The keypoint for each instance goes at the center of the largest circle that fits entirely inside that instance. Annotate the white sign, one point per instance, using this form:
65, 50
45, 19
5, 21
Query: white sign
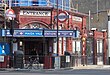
67, 58
76, 18
57, 63
35, 13
1, 58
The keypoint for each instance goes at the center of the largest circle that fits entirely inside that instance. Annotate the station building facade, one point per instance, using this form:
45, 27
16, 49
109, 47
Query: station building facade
35, 27
33, 24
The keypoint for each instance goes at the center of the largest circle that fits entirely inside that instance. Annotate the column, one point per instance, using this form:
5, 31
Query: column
94, 47
104, 46
109, 37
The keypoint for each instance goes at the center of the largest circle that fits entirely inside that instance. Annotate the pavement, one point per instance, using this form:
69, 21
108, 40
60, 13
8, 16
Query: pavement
92, 67
76, 67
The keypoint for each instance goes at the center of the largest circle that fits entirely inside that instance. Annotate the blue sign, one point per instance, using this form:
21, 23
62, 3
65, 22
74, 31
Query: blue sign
4, 49
39, 33
50, 33
61, 33
62, 17
25, 33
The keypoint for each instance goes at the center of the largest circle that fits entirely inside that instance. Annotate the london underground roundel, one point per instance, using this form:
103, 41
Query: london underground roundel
62, 16
10, 13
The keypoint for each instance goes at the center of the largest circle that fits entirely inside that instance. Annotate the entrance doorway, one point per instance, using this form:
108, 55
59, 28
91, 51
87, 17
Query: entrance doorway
35, 47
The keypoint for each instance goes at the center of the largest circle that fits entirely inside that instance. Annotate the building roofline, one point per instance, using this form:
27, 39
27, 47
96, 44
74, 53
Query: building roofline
50, 8
35, 7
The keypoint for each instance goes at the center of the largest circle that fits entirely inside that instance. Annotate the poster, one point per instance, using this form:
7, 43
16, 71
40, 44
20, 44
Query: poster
67, 58
1, 58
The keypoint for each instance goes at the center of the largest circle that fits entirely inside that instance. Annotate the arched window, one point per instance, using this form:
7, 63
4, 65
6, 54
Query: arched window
34, 25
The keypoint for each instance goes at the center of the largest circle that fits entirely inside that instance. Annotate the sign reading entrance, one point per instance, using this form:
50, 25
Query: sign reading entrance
35, 13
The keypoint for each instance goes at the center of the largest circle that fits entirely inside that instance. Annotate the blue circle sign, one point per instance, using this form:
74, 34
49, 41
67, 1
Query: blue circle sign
62, 16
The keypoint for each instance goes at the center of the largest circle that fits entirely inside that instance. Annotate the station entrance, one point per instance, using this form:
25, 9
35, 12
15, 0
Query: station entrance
33, 44
36, 48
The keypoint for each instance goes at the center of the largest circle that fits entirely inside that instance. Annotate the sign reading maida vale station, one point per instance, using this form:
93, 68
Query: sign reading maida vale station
35, 13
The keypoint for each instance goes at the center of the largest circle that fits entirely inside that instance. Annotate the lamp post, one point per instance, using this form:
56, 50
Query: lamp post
75, 39
94, 47
11, 32
89, 25
4, 38
10, 14
57, 30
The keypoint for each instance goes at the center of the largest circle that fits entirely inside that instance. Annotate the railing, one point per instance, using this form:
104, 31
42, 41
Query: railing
46, 62
49, 62
33, 62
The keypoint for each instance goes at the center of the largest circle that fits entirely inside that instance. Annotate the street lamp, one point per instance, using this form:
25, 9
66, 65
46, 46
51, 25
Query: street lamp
10, 14
94, 47
11, 48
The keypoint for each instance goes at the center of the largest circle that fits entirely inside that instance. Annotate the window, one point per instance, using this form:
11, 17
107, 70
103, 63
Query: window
63, 4
35, 3
34, 25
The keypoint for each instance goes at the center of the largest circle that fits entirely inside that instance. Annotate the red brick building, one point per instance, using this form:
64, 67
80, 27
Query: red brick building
36, 28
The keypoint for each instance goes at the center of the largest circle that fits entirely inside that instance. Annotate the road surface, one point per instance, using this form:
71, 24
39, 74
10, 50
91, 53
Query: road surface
60, 72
